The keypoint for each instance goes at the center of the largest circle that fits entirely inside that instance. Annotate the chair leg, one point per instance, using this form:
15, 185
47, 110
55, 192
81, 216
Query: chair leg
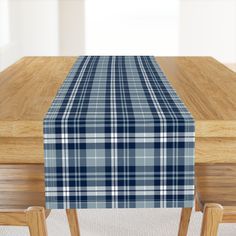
36, 221
198, 203
212, 216
184, 221
73, 222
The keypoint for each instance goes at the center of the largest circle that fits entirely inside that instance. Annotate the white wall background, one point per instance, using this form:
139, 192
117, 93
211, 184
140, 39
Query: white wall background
208, 27
157, 27
71, 27
132, 27
4, 21
32, 27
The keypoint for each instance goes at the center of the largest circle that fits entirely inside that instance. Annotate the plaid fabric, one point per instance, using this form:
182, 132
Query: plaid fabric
118, 136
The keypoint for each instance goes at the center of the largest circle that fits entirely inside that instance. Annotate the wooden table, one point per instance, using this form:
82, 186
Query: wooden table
28, 87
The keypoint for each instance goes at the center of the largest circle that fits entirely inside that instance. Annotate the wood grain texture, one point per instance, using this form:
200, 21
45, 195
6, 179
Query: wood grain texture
229, 215
36, 220
216, 183
28, 87
21, 129
215, 195
21, 186
30, 150
215, 150
212, 216
73, 222
184, 221
21, 150
33, 217
13, 217
205, 86
215, 129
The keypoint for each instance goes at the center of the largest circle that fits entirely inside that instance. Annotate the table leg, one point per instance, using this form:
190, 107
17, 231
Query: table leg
73, 222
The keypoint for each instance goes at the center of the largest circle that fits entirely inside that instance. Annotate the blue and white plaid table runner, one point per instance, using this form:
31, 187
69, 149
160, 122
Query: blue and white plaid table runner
118, 136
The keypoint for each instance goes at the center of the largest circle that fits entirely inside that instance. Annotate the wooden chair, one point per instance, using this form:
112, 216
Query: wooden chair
22, 199
33, 217
215, 197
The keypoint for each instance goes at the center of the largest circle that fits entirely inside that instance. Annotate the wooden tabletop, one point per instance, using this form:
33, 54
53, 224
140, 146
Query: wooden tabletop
28, 87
